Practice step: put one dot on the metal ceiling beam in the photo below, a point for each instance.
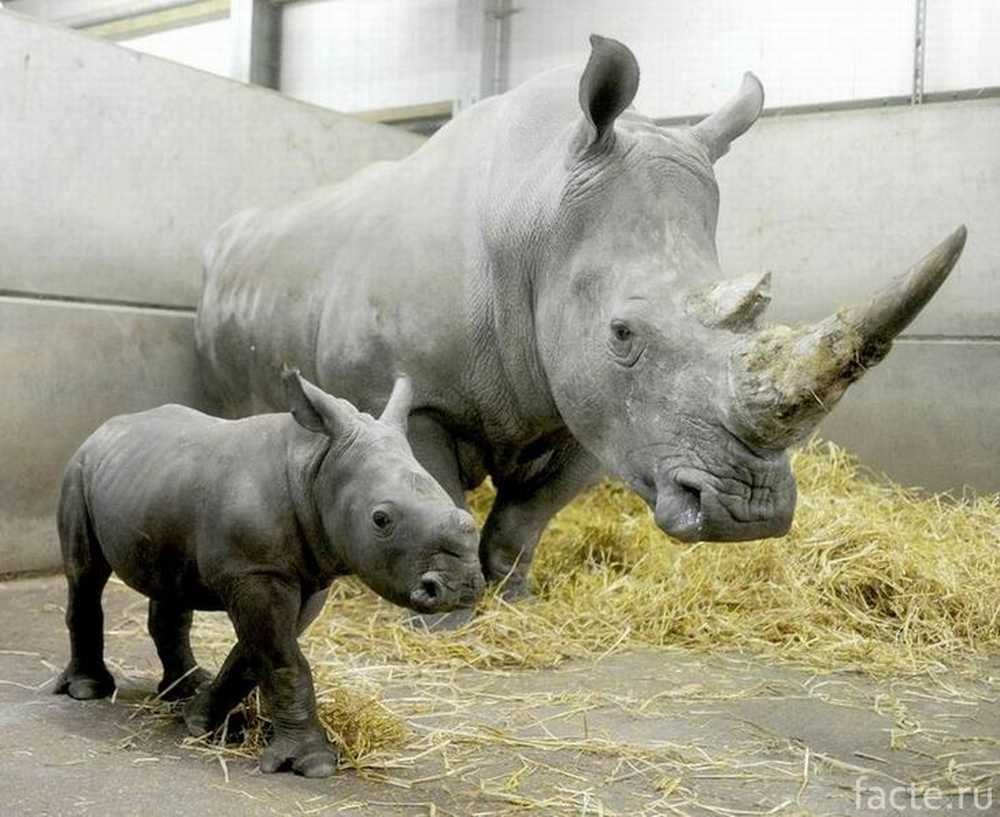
(919, 52)
(87, 13)
(255, 27)
(484, 34)
(190, 14)
(116, 20)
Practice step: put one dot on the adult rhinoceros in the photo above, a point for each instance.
(545, 270)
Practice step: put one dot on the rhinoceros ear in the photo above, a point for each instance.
(608, 85)
(313, 408)
(734, 304)
(717, 130)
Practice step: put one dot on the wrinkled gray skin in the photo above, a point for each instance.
(255, 517)
(545, 268)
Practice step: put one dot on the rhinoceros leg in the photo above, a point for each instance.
(267, 615)
(87, 572)
(86, 675)
(435, 449)
(526, 500)
(170, 628)
(208, 709)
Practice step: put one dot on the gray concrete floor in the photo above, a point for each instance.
(669, 732)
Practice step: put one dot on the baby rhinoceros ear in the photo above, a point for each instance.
(314, 409)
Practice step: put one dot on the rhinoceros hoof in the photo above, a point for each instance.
(519, 593)
(85, 685)
(200, 716)
(438, 622)
(174, 689)
(313, 756)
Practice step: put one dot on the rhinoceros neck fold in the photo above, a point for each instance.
(516, 202)
(512, 388)
(306, 454)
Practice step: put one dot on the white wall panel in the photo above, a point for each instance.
(361, 54)
(205, 46)
(963, 44)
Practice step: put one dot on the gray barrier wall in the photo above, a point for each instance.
(834, 205)
(114, 169)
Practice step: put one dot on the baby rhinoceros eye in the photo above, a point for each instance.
(382, 520)
(621, 343)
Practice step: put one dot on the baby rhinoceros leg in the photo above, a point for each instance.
(267, 613)
(86, 677)
(209, 708)
(206, 711)
(170, 628)
(87, 572)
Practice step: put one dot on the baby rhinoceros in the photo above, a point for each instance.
(255, 517)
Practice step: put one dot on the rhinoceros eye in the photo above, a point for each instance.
(382, 520)
(622, 342)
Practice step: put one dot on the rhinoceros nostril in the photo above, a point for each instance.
(431, 587)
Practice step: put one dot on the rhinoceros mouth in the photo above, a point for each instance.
(694, 506)
(678, 511)
(676, 508)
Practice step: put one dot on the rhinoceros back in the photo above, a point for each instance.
(351, 284)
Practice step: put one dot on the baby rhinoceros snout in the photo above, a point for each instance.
(439, 592)
(455, 578)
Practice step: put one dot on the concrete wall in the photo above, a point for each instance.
(836, 204)
(115, 168)
(118, 166)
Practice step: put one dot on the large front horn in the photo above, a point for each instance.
(784, 380)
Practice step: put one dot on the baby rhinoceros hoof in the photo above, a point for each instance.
(84, 685)
(439, 622)
(184, 686)
(517, 593)
(201, 716)
(313, 756)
